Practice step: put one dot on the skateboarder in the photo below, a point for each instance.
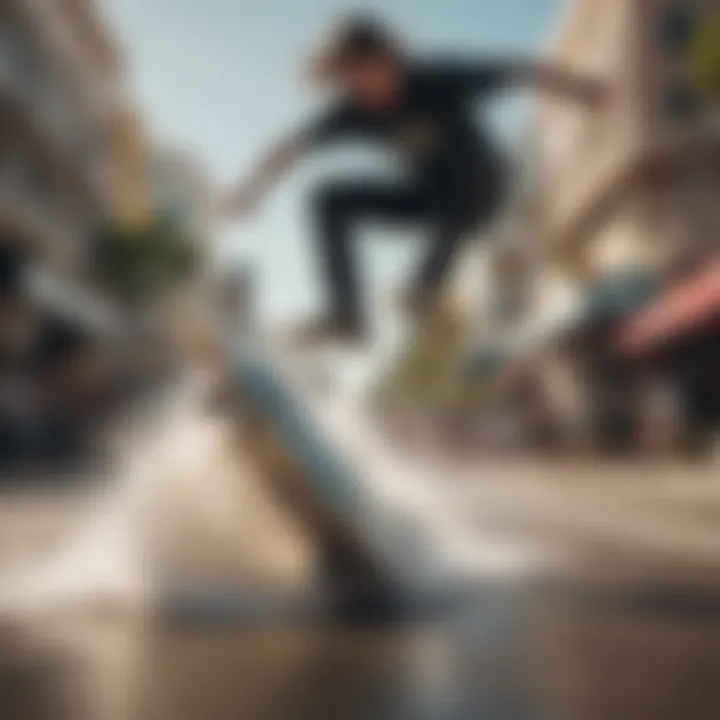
(454, 182)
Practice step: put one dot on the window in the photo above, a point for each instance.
(681, 101)
(14, 53)
(26, 58)
(6, 58)
(677, 29)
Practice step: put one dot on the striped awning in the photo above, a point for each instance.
(692, 305)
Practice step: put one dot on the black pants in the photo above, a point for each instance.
(446, 219)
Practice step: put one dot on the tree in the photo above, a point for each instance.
(144, 263)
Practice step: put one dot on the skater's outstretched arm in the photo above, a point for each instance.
(559, 81)
(337, 122)
(279, 160)
(472, 78)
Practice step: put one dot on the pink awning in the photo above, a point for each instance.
(692, 305)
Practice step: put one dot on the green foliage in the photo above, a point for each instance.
(143, 263)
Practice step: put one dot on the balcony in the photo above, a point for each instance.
(21, 212)
(75, 47)
(54, 108)
(61, 293)
(57, 232)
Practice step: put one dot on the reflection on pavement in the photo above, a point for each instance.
(506, 657)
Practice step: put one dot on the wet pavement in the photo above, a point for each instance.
(507, 655)
(625, 627)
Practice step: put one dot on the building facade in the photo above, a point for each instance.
(631, 189)
(632, 185)
(60, 87)
(59, 79)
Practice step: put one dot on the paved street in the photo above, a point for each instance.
(568, 649)
(619, 521)
(613, 523)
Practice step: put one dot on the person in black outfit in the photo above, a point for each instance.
(455, 181)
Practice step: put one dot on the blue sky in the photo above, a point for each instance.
(220, 78)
